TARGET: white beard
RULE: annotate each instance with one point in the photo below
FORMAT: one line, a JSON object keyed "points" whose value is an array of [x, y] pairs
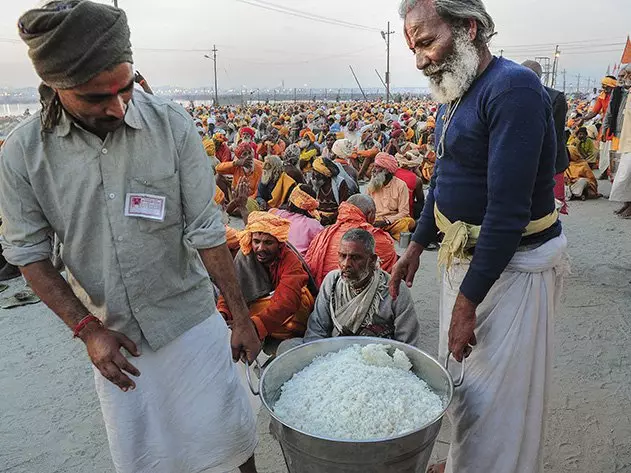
{"points": [[377, 181], [459, 71]]}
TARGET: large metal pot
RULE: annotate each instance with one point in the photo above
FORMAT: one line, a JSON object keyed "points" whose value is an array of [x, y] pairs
{"points": [[307, 453]]}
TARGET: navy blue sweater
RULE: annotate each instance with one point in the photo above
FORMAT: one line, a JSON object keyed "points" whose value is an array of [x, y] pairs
{"points": [[497, 171]]}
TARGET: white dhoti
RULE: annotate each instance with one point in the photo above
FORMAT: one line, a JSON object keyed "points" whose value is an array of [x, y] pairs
{"points": [[189, 412], [621, 188], [578, 188], [603, 164], [498, 414]]}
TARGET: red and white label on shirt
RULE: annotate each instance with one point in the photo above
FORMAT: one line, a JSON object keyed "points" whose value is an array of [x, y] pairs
{"points": [[147, 206]]}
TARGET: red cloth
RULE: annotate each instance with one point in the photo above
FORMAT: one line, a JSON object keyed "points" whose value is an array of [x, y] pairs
{"points": [[559, 191], [242, 148], [409, 178], [322, 255], [223, 154]]}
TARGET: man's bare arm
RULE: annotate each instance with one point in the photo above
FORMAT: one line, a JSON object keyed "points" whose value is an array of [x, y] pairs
{"points": [[55, 292], [103, 345], [220, 267]]}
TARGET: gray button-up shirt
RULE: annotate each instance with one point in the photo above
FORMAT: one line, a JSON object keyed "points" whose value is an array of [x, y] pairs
{"points": [[141, 277]]}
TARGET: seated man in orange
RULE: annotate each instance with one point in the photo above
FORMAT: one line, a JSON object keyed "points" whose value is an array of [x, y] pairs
{"points": [[244, 167], [273, 279], [358, 212], [391, 197]]}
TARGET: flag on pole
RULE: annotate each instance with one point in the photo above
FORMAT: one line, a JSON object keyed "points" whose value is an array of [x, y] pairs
{"points": [[615, 69], [608, 70], [626, 55]]}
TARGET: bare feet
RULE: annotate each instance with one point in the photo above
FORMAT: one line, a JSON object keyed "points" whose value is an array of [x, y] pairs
{"points": [[623, 209], [626, 213], [437, 468]]}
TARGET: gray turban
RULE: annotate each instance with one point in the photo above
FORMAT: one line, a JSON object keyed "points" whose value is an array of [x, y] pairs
{"points": [[71, 42]]}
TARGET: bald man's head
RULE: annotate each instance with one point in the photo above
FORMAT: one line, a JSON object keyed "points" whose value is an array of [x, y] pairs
{"points": [[534, 66], [367, 206]]}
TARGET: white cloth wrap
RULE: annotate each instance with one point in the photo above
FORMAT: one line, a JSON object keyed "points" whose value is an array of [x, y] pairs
{"points": [[603, 165], [498, 414], [621, 188], [189, 412]]}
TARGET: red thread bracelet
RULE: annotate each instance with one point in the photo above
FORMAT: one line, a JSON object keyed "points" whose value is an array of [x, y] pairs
{"points": [[83, 322]]}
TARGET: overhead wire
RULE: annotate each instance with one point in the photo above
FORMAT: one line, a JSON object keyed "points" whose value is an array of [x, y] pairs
{"points": [[306, 15]]}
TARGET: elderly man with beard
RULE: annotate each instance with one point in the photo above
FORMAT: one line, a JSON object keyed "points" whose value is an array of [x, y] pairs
{"points": [[244, 167], [271, 145], [122, 178], [503, 251], [331, 187], [391, 197], [275, 185], [354, 300]]}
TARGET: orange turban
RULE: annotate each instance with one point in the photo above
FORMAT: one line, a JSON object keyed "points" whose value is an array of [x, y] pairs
{"points": [[320, 167], [609, 82], [386, 161], [304, 201], [263, 222]]}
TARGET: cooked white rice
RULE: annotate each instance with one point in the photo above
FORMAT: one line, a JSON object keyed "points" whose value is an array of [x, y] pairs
{"points": [[358, 393]]}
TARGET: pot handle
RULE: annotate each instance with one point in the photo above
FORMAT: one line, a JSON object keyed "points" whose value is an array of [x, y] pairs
{"points": [[248, 376], [460, 380]]}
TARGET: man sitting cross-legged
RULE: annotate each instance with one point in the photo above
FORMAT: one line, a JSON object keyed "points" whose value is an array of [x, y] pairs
{"points": [[273, 279], [354, 300]]}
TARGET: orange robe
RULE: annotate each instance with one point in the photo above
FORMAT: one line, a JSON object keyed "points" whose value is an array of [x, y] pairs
{"points": [[238, 173], [284, 314], [322, 255]]}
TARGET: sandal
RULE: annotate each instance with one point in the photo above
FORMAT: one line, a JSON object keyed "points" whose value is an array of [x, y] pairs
{"points": [[19, 299]]}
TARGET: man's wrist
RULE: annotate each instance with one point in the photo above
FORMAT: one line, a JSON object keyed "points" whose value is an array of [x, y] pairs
{"points": [[90, 329], [414, 250]]}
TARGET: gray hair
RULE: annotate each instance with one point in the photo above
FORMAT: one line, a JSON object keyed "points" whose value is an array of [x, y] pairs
{"points": [[456, 12], [361, 236], [363, 202]]}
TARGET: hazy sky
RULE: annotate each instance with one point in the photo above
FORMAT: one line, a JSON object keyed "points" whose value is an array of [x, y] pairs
{"points": [[259, 48]]}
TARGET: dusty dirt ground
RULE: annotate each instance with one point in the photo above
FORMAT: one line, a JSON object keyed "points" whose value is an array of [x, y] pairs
{"points": [[50, 419]]}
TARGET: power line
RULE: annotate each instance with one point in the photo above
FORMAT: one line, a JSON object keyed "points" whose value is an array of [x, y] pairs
{"points": [[306, 15]]}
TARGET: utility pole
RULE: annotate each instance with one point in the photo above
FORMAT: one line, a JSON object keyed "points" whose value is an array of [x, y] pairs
{"points": [[578, 84], [501, 53], [216, 87], [360, 86], [384, 84], [116, 3], [214, 59], [564, 74], [555, 66], [386, 37]]}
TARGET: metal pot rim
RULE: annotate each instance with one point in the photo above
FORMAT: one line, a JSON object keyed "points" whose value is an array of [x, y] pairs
{"points": [[372, 340]]}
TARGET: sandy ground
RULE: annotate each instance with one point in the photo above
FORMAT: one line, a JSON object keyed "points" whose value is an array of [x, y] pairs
{"points": [[50, 419]]}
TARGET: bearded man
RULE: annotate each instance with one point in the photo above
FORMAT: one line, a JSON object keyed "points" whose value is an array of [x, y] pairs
{"points": [[275, 186], [354, 299], [331, 188], [391, 197], [244, 167], [122, 178], [503, 250]]}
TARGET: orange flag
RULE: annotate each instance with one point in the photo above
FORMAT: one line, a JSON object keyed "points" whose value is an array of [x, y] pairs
{"points": [[626, 55]]}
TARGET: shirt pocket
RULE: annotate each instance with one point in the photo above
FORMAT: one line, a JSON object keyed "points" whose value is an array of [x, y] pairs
{"points": [[162, 186]]}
